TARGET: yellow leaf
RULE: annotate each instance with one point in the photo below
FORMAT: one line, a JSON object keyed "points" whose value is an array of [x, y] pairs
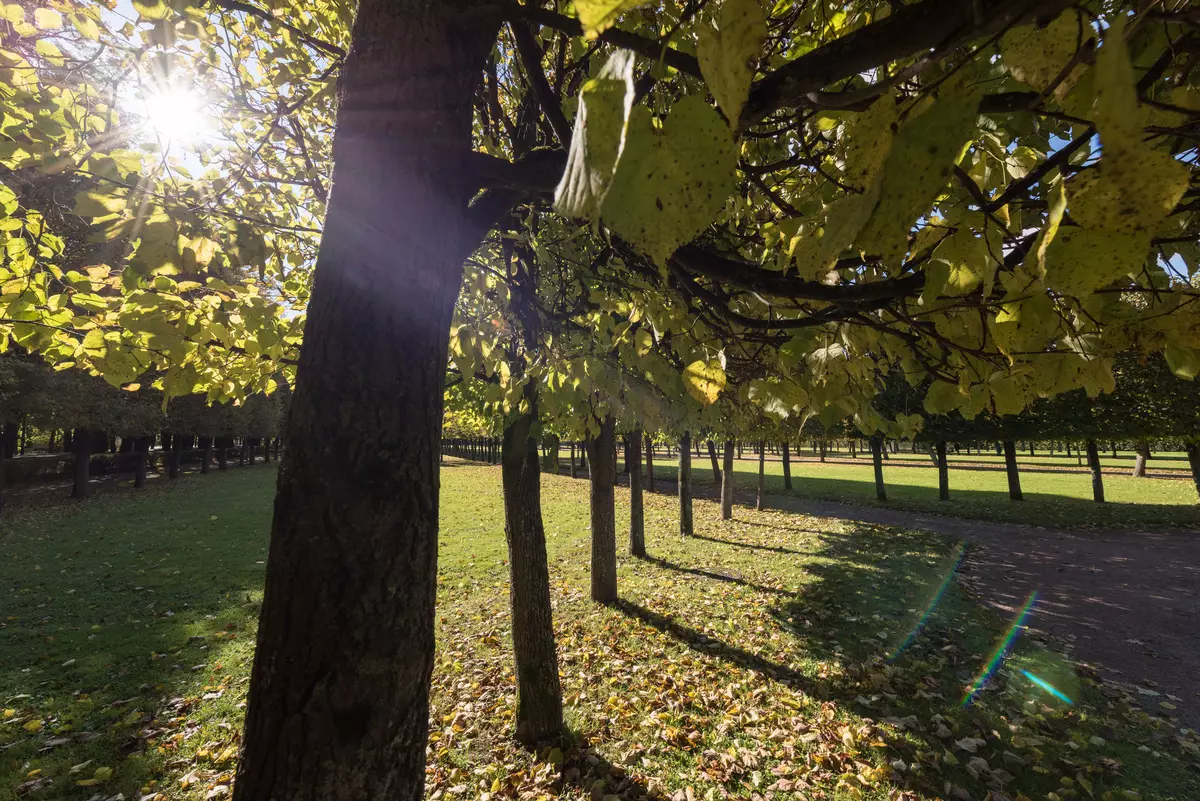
{"points": [[728, 56], [704, 381], [47, 19], [33, 725], [597, 15]]}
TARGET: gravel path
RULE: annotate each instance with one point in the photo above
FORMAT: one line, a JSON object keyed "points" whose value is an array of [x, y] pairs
{"points": [[1126, 603]]}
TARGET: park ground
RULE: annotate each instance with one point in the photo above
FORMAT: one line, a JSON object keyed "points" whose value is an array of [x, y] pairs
{"points": [[778, 655]]}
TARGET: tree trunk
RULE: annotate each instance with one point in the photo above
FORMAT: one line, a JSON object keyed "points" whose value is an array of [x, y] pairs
{"points": [[649, 464], [762, 476], [223, 456], [943, 472], [1031, 450], [339, 693], [727, 482], [787, 467], [604, 523], [1093, 457], [173, 460], [539, 696], [584, 462], [822, 450], [1193, 455], [142, 447], [206, 457], [3, 465], [574, 467], [83, 459], [637, 522], [685, 484], [625, 455], [1010, 466], [877, 461], [1139, 465], [716, 466]]}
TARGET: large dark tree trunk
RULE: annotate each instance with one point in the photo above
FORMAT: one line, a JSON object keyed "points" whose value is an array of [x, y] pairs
{"points": [[3, 465], [1139, 465], [1193, 455], [339, 693], [637, 520], [716, 465], [727, 482], [1093, 457], [1010, 466], [10, 440], [943, 472], [602, 456], [787, 466], [685, 484], [649, 464], [762, 476], [83, 460], [539, 697], [877, 453]]}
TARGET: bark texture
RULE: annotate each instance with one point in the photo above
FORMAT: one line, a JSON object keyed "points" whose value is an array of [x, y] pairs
{"points": [[637, 519], [759, 503], [877, 462], [339, 693], [603, 458], [727, 481], [83, 458], [943, 472], [539, 696], [1010, 466], [685, 484], [1093, 458], [1193, 455], [649, 464], [716, 466], [787, 467], [1143, 455]]}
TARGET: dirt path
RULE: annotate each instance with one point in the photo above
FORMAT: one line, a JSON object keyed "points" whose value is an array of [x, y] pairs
{"points": [[1126, 603]]}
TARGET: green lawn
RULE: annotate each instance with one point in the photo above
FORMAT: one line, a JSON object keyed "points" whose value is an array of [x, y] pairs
{"points": [[1052, 499], [751, 658]]}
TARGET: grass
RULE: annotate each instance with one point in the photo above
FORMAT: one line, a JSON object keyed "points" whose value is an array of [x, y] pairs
{"points": [[1052, 499], [749, 659]]}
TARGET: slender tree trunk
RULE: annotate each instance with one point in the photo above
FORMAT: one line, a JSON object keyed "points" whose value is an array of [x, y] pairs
{"points": [[339, 694], [716, 465], [206, 457], [787, 467], [1193, 455], [142, 448], [1139, 465], [877, 461], [1010, 466], [1093, 457], [637, 522], [685, 484], [574, 467], [760, 502], [649, 464], [604, 524], [584, 462], [943, 471], [822, 450], [173, 460], [727, 482], [539, 696], [83, 459], [1031, 450], [223, 456], [3, 470]]}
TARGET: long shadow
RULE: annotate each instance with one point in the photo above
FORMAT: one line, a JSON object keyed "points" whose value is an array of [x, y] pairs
{"points": [[587, 769], [736, 544], [708, 574]]}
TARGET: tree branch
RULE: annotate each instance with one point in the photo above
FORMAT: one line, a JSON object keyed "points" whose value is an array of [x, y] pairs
{"points": [[267, 16], [531, 59]]}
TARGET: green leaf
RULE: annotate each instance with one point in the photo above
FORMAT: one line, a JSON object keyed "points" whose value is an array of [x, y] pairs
{"points": [[1080, 260], [1035, 56], [704, 381], [1133, 189], [1183, 361], [728, 55], [943, 397], [604, 105], [922, 158], [96, 204], [1119, 119], [670, 181], [597, 15]]}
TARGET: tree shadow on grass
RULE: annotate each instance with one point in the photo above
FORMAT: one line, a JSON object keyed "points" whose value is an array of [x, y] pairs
{"points": [[708, 574], [752, 547]]}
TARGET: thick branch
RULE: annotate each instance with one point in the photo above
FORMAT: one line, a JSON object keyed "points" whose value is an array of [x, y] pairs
{"points": [[531, 59]]}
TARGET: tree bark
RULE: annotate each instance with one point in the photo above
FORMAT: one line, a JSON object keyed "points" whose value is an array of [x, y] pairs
{"points": [[822, 450], [727, 482], [206, 457], [685, 484], [1139, 465], [943, 472], [649, 464], [173, 460], [787, 467], [637, 521], [877, 461], [1010, 466], [604, 523], [574, 467], [142, 448], [339, 693], [1093, 457], [83, 459], [1193, 455], [762, 476], [716, 465], [539, 696]]}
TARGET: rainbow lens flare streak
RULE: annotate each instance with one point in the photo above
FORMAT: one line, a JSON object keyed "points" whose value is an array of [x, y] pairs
{"points": [[1047, 686], [1002, 651], [933, 603]]}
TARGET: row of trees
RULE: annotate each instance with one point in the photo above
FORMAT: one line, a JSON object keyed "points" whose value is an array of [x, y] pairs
{"points": [[642, 216]]}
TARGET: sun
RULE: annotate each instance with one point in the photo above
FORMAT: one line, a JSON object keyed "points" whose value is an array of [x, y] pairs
{"points": [[176, 115]]}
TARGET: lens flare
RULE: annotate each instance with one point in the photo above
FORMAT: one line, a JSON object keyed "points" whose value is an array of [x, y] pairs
{"points": [[1001, 651], [933, 604], [1047, 686]]}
